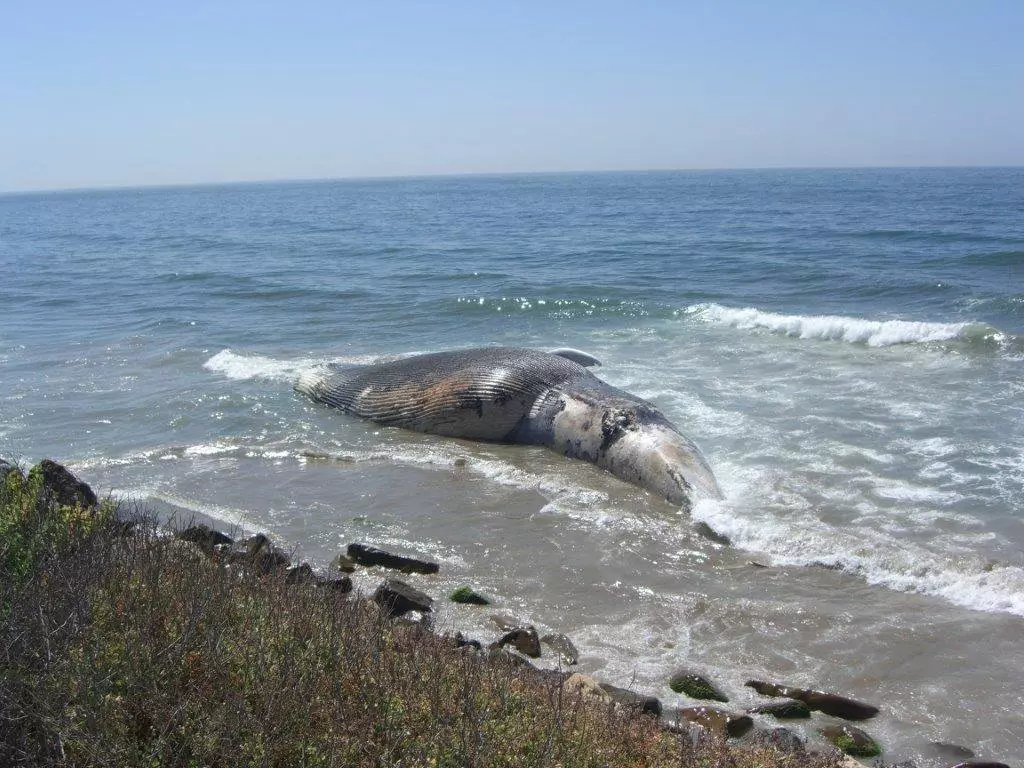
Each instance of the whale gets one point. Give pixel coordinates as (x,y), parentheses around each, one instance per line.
(524,396)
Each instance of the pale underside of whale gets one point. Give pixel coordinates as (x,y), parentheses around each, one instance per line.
(515,395)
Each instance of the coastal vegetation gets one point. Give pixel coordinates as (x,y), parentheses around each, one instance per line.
(125,646)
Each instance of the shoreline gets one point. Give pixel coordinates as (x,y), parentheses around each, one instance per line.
(257,549)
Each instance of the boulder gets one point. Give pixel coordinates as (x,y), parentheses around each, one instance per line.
(467,596)
(563,646)
(300,574)
(787,709)
(732,724)
(586,686)
(695,685)
(343,563)
(258,553)
(398,598)
(781,739)
(367,555)
(523,639)
(461,641)
(648,705)
(61,487)
(711,534)
(204,537)
(829,703)
(838,706)
(853,741)
(504,656)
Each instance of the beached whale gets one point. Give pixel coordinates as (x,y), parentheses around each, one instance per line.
(513,395)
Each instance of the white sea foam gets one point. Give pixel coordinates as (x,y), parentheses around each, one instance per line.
(879,558)
(242,367)
(854,330)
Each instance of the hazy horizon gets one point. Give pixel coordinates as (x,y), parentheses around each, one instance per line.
(121,96)
(486,174)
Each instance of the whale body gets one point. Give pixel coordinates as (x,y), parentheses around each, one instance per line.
(516,395)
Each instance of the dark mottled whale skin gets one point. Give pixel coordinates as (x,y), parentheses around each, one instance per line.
(512,395)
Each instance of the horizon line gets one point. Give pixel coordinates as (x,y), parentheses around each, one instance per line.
(478,174)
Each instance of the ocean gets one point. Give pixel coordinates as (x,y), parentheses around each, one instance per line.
(846,346)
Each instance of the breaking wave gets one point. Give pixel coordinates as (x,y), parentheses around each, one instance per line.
(854,330)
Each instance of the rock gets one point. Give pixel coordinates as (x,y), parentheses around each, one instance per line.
(563,646)
(343,563)
(186,553)
(300,574)
(259,553)
(512,659)
(586,686)
(980,764)
(341,586)
(769,689)
(648,705)
(467,596)
(837,706)
(524,639)
(731,724)
(397,598)
(367,555)
(788,709)
(782,739)
(711,534)
(853,741)
(695,686)
(462,642)
(205,538)
(829,703)
(61,487)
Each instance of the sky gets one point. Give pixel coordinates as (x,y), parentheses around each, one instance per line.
(100,94)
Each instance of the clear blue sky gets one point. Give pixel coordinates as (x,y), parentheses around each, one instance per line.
(135,93)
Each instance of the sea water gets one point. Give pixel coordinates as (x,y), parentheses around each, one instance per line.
(846,346)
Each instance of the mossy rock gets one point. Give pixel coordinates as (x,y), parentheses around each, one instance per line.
(695,686)
(852,741)
(467,596)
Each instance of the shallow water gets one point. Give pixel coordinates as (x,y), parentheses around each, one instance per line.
(845,346)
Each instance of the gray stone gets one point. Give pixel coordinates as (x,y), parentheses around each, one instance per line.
(648,705)
(719,721)
(205,538)
(398,598)
(787,709)
(258,553)
(782,739)
(524,640)
(369,556)
(563,646)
